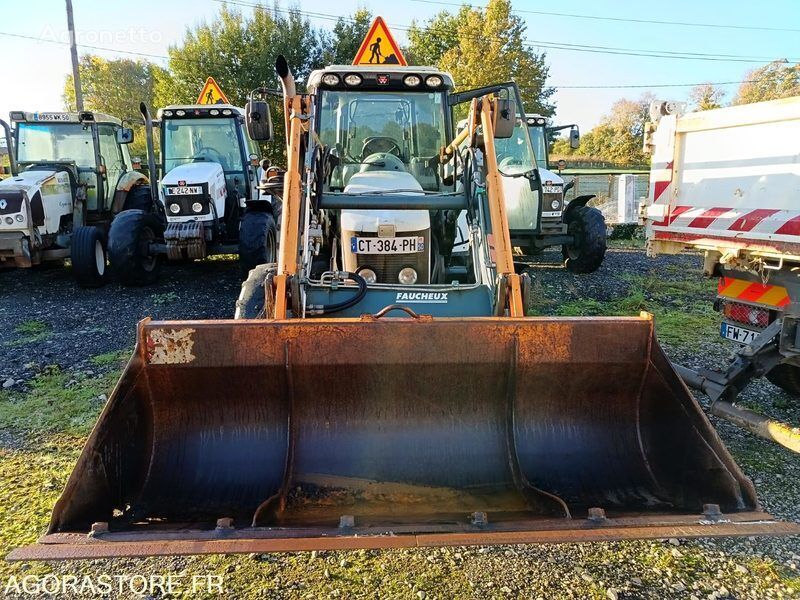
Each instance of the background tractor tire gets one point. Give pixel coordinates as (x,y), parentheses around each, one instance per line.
(88,254)
(588,226)
(250,304)
(258,240)
(130,229)
(786,377)
(139,198)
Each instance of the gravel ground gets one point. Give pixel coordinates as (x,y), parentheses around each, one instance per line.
(79,324)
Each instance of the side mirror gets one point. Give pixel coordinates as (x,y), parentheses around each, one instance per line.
(258,120)
(124,135)
(574,138)
(504,118)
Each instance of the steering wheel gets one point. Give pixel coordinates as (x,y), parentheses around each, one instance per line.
(381,144)
(213,156)
(382,161)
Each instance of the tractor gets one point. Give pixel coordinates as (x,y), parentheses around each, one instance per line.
(214,195)
(71,175)
(374,392)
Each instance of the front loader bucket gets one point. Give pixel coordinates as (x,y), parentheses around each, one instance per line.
(257,436)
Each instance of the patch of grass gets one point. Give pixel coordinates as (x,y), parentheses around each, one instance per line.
(111,358)
(29,332)
(55,402)
(626,244)
(163,299)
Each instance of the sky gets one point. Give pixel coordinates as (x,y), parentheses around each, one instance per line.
(600,43)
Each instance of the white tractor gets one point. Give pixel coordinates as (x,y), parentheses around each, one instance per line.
(215,196)
(71,174)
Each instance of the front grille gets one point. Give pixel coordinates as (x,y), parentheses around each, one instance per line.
(185,202)
(388,266)
(10,202)
(548,200)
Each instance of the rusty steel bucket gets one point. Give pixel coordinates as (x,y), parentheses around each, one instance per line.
(255,436)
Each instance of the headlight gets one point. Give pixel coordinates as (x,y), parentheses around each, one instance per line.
(412,80)
(555,204)
(19,218)
(174,208)
(9,221)
(214,112)
(433,81)
(180,113)
(167,113)
(330,79)
(352,79)
(407,276)
(368,274)
(227,112)
(197,207)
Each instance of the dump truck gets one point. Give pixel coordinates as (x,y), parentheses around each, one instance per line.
(579,229)
(71,175)
(336,412)
(724,182)
(211,196)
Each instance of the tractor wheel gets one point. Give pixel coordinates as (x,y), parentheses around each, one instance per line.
(139,198)
(258,240)
(786,377)
(130,232)
(88,254)
(588,227)
(250,304)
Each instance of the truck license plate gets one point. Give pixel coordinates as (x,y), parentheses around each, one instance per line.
(395,245)
(737,334)
(188,190)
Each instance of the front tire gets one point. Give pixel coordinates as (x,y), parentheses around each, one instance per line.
(139,198)
(786,377)
(588,228)
(258,240)
(130,233)
(88,254)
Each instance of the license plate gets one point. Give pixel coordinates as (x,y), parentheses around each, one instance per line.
(395,245)
(51,116)
(737,334)
(189,190)
(551,189)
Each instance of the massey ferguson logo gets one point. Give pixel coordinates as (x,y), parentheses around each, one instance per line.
(3,204)
(422,297)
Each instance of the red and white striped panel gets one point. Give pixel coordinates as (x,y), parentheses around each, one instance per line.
(733,221)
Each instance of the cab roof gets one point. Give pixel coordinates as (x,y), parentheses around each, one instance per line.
(87,116)
(370,73)
(200,110)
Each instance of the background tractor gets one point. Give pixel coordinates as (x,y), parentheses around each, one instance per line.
(395,408)
(71,174)
(214,195)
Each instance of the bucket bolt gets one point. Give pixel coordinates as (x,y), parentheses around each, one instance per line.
(347,521)
(712,512)
(225,523)
(479,519)
(596,514)
(98,528)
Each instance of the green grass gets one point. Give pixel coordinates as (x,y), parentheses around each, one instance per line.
(682,308)
(29,332)
(56,402)
(118,358)
(164,299)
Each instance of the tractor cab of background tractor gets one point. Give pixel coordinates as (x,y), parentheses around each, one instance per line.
(71,174)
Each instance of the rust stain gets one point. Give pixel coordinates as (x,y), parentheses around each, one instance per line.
(170,347)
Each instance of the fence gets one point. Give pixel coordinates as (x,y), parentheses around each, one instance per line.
(617,196)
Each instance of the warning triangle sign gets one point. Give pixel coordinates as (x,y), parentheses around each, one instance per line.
(379,47)
(212,94)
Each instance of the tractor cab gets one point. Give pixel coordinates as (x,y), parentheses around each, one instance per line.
(382,131)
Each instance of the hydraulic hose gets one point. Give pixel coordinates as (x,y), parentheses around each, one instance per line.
(326,309)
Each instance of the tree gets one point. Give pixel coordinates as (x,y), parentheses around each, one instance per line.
(240,52)
(619,136)
(115,87)
(342,44)
(778,79)
(428,43)
(480,46)
(706,97)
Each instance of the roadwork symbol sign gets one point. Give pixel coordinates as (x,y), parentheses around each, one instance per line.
(379,47)
(212,94)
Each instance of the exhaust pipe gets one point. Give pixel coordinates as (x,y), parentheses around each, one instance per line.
(12,157)
(151,154)
(764,427)
(289,90)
